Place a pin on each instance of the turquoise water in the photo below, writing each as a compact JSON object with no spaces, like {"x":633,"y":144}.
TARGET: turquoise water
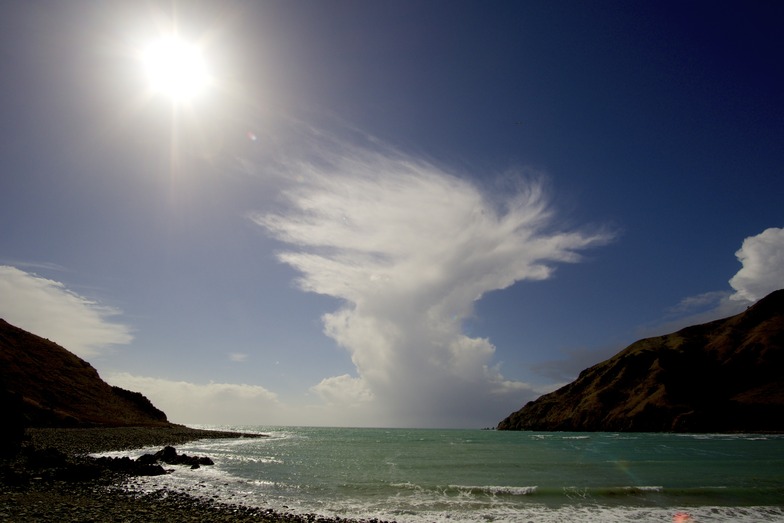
{"x":473,"y":475}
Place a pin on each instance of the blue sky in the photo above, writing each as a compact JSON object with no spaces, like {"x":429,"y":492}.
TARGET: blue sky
{"x":384,"y":213}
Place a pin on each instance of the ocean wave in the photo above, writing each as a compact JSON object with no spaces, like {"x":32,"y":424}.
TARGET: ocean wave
{"x":496,"y":490}
{"x":499,"y":477}
{"x":456,"y":490}
{"x":731,"y":437}
{"x":457,"y":503}
{"x":407,"y":485}
{"x":266,"y":460}
{"x":549,"y":514}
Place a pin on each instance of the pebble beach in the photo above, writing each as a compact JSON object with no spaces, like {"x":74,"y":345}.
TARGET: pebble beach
{"x":54,"y":480}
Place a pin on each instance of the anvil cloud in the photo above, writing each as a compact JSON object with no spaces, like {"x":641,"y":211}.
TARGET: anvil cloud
{"x":409,"y":247}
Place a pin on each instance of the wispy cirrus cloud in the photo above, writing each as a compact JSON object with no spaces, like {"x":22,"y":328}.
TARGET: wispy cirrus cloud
{"x":49,"y":309}
{"x":410,"y":247}
{"x":32,"y":265}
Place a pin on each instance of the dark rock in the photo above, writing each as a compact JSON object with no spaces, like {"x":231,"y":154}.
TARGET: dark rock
{"x":13,"y":427}
{"x":722,"y":376}
{"x":147,"y":459}
{"x":77,"y":472}
{"x":151,"y":470}
{"x":130,"y":467}
{"x":168,"y":455}
{"x":48,"y":457}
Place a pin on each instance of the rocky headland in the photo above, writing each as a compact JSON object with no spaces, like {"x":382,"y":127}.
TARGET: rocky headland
{"x":45,"y":385}
{"x":722,"y":376}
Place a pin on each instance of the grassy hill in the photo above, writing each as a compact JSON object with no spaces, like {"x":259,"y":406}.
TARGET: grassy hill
{"x":722,"y":376}
{"x":47,"y":386}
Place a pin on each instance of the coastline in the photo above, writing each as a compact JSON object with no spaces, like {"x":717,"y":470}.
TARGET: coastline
{"x":82,"y":441}
{"x":53,"y":479}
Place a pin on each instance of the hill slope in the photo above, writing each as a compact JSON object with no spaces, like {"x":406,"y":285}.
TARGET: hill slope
{"x":53,"y":387}
{"x":722,"y":376}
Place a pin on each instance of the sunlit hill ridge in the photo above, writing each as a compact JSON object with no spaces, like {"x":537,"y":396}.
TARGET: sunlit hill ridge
{"x":49,"y":386}
{"x":722,"y":376}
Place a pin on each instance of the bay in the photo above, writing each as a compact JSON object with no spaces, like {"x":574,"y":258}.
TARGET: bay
{"x":419,"y":475}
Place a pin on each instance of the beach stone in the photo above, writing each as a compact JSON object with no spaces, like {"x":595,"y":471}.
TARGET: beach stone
{"x":147,"y":459}
{"x":168,"y":455}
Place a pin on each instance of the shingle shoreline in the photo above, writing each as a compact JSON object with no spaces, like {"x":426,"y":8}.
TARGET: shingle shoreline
{"x":29,"y":493}
{"x":82,"y":441}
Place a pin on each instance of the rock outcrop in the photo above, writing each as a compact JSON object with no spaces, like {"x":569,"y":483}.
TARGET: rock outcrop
{"x":44,"y":385}
{"x":722,"y":376}
{"x":169,"y":456}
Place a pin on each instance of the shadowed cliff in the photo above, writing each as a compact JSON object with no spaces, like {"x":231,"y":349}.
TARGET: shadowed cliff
{"x":722,"y":376}
{"x":44,"y":385}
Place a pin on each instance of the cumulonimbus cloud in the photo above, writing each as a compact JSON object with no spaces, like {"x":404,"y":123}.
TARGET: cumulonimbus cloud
{"x":762,"y":257}
{"x":409,"y":247}
{"x":47,"y":308}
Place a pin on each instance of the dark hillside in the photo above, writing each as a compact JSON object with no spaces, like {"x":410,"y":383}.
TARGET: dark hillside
{"x":722,"y":376}
{"x":52,"y":387}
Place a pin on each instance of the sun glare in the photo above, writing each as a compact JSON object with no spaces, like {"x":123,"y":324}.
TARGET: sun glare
{"x":175,"y":68}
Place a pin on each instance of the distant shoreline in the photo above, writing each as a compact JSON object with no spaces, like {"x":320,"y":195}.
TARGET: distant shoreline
{"x":33,"y":487}
{"x":82,"y":441}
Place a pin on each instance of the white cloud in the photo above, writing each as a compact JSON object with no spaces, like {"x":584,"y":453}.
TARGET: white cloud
{"x":762,"y":272}
{"x":762,"y":257}
{"x":343,"y":390}
{"x":241,"y":404}
{"x":186,"y":402}
{"x":698,"y":302}
{"x":238,"y":357}
{"x":410,"y":247}
{"x":47,"y":308}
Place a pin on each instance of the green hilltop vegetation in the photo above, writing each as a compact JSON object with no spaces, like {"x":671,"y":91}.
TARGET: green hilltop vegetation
{"x":722,"y":376}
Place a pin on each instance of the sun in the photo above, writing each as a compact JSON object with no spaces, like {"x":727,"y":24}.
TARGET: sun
{"x":175,"y":68}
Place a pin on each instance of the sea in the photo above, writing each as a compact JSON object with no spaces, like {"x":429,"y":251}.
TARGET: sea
{"x":429,"y":475}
